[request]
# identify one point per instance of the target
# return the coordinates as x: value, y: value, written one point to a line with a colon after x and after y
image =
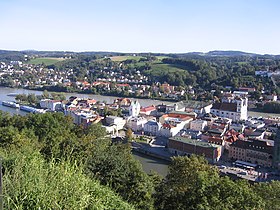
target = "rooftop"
x: 152, y: 122
x: 232, y: 107
x: 194, y: 142
x: 261, y: 146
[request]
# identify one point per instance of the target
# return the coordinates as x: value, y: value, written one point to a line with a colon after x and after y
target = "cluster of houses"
x: 29, y: 75
x: 109, y: 80
x: 213, y: 130
x: 267, y: 73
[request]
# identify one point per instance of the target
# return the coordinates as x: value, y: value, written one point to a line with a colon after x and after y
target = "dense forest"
x: 51, y: 163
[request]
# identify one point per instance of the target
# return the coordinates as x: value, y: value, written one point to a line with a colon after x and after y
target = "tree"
x: 129, y: 134
x: 21, y: 97
x: 270, y: 192
x: 271, y: 107
x: 193, y: 184
x: 115, y: 166
x: 45, y: 94
x: 58, y: 96
x: 32, y: 99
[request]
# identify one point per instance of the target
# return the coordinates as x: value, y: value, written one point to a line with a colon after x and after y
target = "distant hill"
x: 229, y: 53
x: 18, y: 55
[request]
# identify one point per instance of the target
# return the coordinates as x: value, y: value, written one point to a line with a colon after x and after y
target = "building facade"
x: 235, y: 109
x: 198, y: 125
x: 186, y: 146
x: 152, y: 128
x: 136, y: 124
x: 255, y: 151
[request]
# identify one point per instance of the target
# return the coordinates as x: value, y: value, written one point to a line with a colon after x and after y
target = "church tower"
x: 134, y: 109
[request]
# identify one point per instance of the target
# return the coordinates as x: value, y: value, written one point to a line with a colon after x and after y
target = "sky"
x: 166, y: 26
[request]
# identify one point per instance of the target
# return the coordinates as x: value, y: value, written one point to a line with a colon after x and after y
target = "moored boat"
x: 31, y: 109
x: 10, y: 104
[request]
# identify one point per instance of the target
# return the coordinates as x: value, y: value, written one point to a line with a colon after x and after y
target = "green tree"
x: 193, y: 184
x: 45, y: 94
x: 270, y: 192
x: 115, y: 166
x: 129, y: 134
x: 21, y: 97
x: 32, y: 99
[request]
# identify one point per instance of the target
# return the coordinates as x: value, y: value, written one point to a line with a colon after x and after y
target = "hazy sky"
x: 141, y: 25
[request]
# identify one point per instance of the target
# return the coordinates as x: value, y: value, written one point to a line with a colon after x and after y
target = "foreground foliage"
x: 88, y: 155
x: 32, y: 183
x: 50, y: 163
x: 194, y: 184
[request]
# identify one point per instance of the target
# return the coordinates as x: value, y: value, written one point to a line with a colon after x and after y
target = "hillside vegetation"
x: 50, y: 163
x: 45, y: 60
x: 33, y: 183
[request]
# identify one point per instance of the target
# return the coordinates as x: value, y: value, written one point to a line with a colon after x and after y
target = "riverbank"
x: 151, y: 154
x: 258, y: 113
x: 118, y: 95
x: 4, y: 91
x: 157, y: 151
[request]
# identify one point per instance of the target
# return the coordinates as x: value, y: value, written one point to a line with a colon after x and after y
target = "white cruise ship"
x: 10, y: 104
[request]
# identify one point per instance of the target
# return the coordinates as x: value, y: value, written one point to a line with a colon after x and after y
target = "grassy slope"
x: 35, y: 184
x: 137, y: 58
x: 47, y: 61
x: 123, y: 58
x: 160, y: 68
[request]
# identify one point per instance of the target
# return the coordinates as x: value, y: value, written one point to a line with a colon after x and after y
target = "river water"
x: 149, y: 163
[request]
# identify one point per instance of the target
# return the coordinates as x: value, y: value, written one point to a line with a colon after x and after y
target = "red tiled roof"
x: 148, y: 108
x: 175, y: 115
x: 91, y: 101
x: 123, y: 85
x: 100, y: 83
x: 167, y: 125
x: 231, y: 132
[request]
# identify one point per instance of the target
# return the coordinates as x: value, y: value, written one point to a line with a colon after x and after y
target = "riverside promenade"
x: 155, y: 148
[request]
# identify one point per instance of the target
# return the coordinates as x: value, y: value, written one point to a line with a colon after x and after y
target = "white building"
x: 134, y: 109
x: 198, y: 125
x: 262, y: 73
x: 114, y: 120
x: 271, y: 97
x: 173, y: 126
x: 52, y: 105
x: 199, y: 107
x: 136, y: 123
x: 84, y: 118
x: 152, y: 127
x: 235, y: 109
x: 169, y: 129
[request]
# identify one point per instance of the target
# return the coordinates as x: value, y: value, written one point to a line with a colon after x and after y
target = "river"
x: 149, y: 163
